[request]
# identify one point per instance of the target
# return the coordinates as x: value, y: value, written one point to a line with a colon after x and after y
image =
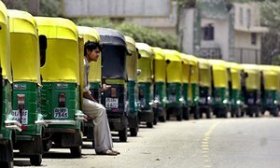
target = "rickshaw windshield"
x: 4, y: 44
x: 113, y: 62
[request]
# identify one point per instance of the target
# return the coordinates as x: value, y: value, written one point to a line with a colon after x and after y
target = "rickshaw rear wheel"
x: 162, y: 118
x: 123, y: 134
x: 208, y: 113
x: 196, y: 113
x: 8, y: 164
x: 186, y: 114
x: 133, y: 131
x: 76, y: 151
x: 36, y: 160
x: 275, y: 112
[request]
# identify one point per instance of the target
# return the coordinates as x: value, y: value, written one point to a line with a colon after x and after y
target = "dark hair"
x: 89, y: 45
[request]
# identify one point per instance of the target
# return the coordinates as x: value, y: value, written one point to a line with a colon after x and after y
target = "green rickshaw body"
x: 60, y: 104
x: 145, y: 83
x: 132, y: 89
x: 252, y: 91
x: 269, y: 84
x: 174, y: 83
x: 220, y: 99
x: 159, y: 84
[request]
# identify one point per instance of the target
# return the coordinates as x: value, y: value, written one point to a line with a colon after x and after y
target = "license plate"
x: 22, y: 118
x: 172, y: 98
x: 202, y: 100
x: 112, y: 103
x: 250, y: 101
x: 60, y: 113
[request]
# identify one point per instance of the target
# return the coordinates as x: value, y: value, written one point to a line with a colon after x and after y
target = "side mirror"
x: 43, y: 48
x: 138, y: 72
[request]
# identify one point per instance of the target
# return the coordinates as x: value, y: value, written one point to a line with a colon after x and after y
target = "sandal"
x: 107, y: 152
x: 115, y: 152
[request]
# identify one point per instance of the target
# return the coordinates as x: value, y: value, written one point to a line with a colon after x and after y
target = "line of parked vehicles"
x: 42, y: 69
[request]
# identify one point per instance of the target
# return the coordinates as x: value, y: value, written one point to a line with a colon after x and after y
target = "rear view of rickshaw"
x: 25, y: 61
x: 7, y: 123
x: 234, y: 87
x: 145, y: 83
x: 60, y: 95
x: 269, y: 84
x: 251, y: 92
x: 94, y: 76
x: 219, y: 82
x: 159, y: 85
x: 174, y: 84
x: 114, y: 94
x: 204, y: 103
x: 132, y: 89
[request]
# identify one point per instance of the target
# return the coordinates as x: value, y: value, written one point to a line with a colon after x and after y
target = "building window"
x: 248, y: 18
x: 241, y: 16
x: 253, y: 38
x: 208, y: 32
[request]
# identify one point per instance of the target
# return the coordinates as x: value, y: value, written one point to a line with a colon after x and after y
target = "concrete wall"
x: 117, y: 8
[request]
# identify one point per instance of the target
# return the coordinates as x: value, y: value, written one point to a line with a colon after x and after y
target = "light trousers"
x: 102, y: 134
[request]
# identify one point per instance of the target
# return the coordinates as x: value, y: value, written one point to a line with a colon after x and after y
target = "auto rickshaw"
x: 251, y: 89
x: 7, y: 122
x: 60, y: 96
x: 186, y: 75
x: 113, y: 97
x: 94, y: 76
x: 145, y: 83
x: 219, y: 87
x: 25, y: 61
x: 277, y: 70
x: 269, y: 84
x: 174, y: 84
x: 234, y: 85
x: 204, y: 103
x: 132, y: 89
x: 160, y: 98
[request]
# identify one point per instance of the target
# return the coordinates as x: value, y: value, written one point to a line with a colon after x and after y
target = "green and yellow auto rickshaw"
x: 251, y: 89
x: 234, y: 87
x: 160, y: 98
x: 174, y: 84
x: 25, y: 61
x: 269, y: 84
x: 145, y: 83
x: 186, y: 78
x: 60, y: 96
x: 7, y: 122
x: 113, y: 97
x: 132, y: 89
x: 193, y: 90
x: 94, y: 77
x: 277, y: 70
x: 204, y: 103
x: 219, y: 82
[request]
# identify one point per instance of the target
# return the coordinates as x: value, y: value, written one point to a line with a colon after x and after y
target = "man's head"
x: 92, y: 51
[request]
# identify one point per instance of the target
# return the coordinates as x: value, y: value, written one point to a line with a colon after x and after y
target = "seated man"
x: 102, y: 135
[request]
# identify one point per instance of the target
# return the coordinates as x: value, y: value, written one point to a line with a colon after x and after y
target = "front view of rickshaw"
x: 269, y: 84
x: 234, y: 87
x: 94, y: 77
x: 193, y: 90
x: 25, y: 59
x: 113, y: 95
x: 7, y: 123
x: 145, y: 83
x: 60, y: 95
x: 159, y: 85
x: 204, y: 102
x: 251, y: 92
x: 132, y: 89
x: 174, y: 84
x: 219, y: 82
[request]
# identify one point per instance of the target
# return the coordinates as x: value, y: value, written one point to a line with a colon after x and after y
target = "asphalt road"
x: 217, y: 143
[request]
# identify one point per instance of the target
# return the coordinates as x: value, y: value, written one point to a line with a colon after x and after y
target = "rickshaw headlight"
x: 275, y: 102
x: 61, y: 100
x: 225, y: 101
x: 238, y: 102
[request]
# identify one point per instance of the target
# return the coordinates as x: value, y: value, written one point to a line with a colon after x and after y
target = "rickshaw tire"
x: 186, y: 115
x: 150, y: 124
x: 76, y: 152
x: 179, y: 117
x: 162, y: 119
x: 93, y: 144
x: 133, y: 132
x: 123, y: 135
x: 36, y: 160
x: 8, y: 164
x: 155, y: 121
x: 208, y: 114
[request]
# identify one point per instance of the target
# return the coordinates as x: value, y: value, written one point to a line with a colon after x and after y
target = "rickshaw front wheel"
x: 9, y: 164
x: 150, y: 125
x: 36, y: 160
x: 123, y: 134
x: 76, y: 151
x: 133, y: 131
